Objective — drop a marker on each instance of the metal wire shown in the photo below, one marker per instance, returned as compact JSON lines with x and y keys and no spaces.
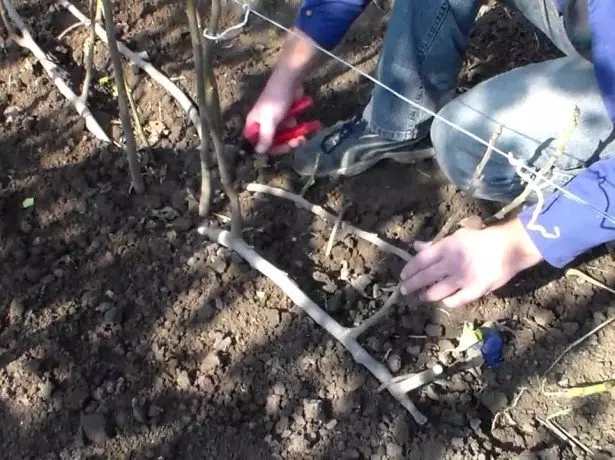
{"x":522,"y":166}
{"x":222,"y":35}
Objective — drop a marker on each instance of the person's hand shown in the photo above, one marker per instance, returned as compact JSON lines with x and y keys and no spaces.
{"x":468,"y":264}
{"x":269,"y":111}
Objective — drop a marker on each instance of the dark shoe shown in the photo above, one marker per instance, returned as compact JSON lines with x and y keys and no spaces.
{"x":349,"y":148}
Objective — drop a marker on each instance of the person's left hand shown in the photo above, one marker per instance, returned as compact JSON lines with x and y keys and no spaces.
{"x":468,"y":264}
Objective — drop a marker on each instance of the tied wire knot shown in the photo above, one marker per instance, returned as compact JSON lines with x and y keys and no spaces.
{"x":223,"y":35}
{"x":534,"y":184}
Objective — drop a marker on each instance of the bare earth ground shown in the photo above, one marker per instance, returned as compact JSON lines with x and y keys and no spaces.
{"x":123,"y":334}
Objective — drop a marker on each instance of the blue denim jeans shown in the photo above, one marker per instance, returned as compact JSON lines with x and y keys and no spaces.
{"x":421,"y":58}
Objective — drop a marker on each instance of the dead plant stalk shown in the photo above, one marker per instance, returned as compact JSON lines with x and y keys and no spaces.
{"x":212,"y":102}
{"x":122,"y":98}
{"x":290,"y":288}
{"x":205,"y":157}
{"x":88,"y":58}
{"x":7,"y":11}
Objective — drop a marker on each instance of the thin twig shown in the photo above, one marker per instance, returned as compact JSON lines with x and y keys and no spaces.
{"x":333,"y":235}
{"x":589,"y":279}
{"x":507,"y":409}
{"x":564,"y":435}
{"x":182,"y":99}
{"x":136,"y":116}
{"x":122,"y":99}
{"x":88,"y":57}
{"x":546,"y":168}
{"x":204,"y":154}
{"x":312,"y":179}
{"x":290,"y":288}
{"x":26,"y":41}
{"x":475,"y":183}
{"x":321,"y":212}
{"x":447,"y":227}
{"x":212,"y":101}
{"x":478,"y":176}
{"x":68,"y":30}
{"x":577,"y":343}
{"x":13,"y":35}
{"x":393,"y":299}
{"x":559,"y":413}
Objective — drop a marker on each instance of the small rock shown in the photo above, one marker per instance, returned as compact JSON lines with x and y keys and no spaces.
{"x":445,"y":345}
{"x":154,"y":412}
{"x":311,"y":437}
{"x":413,"y":350}
{"x":434,"y":330}
{"x":113,"y":315}
{"x":394,"y":450}
{"x":16,"y":311}
{"x":94,"y":428}
{"x":278,"y":389}
{"x":209,"y":363}
{"x":219,"y":264}
{"x":183,"y":381}
{"x":178,"y":200}
{"x":527,"y":455}
{"x":120,"y":418}
{"x":394,"y":362}
{"x":137,"y":411}
{"x":273,"y":404}
{"x":494,"y":400}
{"x":32,"y":274}
{"x":313,"y":410}
{"x":25,"y":226}
{"x":336,"y":302}
{"x":48,"y":279}
{"x":76,"y":398}
{"x":544,"y":317}
{"x":570,"y":328}
{"x":45,"y":390}
{"x":282,"y":425}
{"x":551,"y":453}
{"x":182,"y":224}
{"x":272,"y":317}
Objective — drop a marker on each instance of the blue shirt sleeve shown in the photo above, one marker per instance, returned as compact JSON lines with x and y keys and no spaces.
{"x":579,"y":227}
{"x":327,"y":21}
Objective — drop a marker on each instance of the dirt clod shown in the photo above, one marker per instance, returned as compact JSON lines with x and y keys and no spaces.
{"x":394,"y":362}
{"x":95,"y":428}
{"x":313,"y":410}
{"x":544,"y":317}
{"x":434,"y":330}
{"x":16,"y":311}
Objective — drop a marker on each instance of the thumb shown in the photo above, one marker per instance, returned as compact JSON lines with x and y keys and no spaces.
{"x":421,"y":245}
{"x":265,"y":136}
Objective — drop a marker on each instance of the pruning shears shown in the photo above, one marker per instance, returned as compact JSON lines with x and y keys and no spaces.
{"x":284,"y":136}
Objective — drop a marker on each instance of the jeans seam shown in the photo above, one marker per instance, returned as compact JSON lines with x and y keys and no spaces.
{"x":433,"y":32}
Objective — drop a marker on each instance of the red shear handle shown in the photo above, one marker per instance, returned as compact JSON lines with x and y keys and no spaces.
{"x":284,"y":137}
{"x":251,"y":132}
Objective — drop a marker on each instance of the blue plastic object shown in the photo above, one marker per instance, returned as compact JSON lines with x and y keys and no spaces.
{"x":493,"y":346}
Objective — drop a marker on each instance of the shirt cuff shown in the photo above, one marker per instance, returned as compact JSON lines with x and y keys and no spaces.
{"x":563,"y":228}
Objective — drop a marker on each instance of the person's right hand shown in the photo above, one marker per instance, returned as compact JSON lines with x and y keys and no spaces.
{"x":269,"y":112}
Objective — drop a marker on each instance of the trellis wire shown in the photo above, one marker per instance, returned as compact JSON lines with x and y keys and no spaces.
{"x":519,"y":166}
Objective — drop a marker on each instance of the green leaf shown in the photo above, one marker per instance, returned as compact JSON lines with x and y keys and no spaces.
{"x":27,"y":203}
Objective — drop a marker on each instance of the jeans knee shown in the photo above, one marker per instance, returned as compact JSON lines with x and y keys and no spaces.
{"x":458,"y":156}
{"x":442,"y":138}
